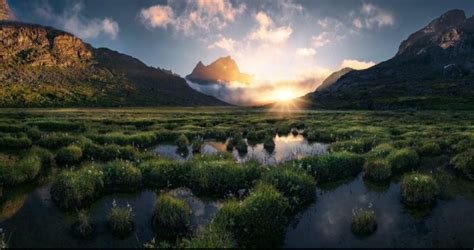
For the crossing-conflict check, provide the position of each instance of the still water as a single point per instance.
(287, 148)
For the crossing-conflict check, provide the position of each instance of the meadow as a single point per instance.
(106, 185)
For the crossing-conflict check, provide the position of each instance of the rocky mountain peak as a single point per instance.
(224, 69)
(5, 12)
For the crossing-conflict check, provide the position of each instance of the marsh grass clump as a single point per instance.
(221, 177)
(64, 126)
(56, 140)
(377, 170)
(364, 222)
(120, 220)
(69, 155)
(211, 237)
(22, 169)
(197, 145)
(283, 129)
(403, 159)
(418, 190)
(269, 144)
(162, 173)
(429, 149)
(77, 189)
(332, 167)
(141, 139)
(182, 142)
(358, 145)
(171, 217)
(109, 152)
(9, 141)
(121, 176)
(242, 147)
(82, 228)
(296, 185)
(261, 215)
(464, 163)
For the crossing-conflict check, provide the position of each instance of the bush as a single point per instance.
(120, 220)
(120, 176)
(297, 186)
(221, 177)
(77, 189)
(171, 217)
(464, 163)
(109, 152)
(82, 228)
(364, 222)
(403, 159)
(160, 173)
(262, 215)
(69, 155)
(332, 167)
(418, 190)
(377, 170)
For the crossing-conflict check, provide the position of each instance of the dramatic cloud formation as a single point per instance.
(355, 64)
(371, 16)
(196, 16)
(72, 21)
(267, 33)
(224, 43)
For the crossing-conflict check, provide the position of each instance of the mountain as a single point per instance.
(45, 67)
(433, 69)
(334, 77)
(223, 70)
(5, 12)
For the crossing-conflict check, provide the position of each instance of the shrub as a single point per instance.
(332, 167)
(377, 170)
(221, 177)
(109, 152)
(429, 149)
(418, 190)
(297, 186)
(403, 159)
(182, 141)
(120, 220)
(82, 228)
(69, 155)
(120, 176)
(160, 173)
(262, 215)
(464, 163)
(171, 217)
(77, 189)
(364, 222)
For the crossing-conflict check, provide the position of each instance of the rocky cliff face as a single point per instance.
(223, 70)
(334, 77)
(5, 12)
(42, 66)
(434, 68)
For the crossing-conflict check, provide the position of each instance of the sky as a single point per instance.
(278, 41)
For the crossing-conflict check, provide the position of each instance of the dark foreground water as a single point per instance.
(286, 148)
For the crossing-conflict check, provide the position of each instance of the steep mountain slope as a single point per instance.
(223, 70)
(42, 67)
(433, 69)
(334, 77)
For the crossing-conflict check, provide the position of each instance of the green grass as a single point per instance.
(171, 217)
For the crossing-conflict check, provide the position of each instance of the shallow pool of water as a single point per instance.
(327, 222)
(32, 220)
(287, 148)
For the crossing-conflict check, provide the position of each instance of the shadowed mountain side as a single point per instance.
(433, 69)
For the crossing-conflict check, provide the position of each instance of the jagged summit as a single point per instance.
(5, 12)
(223, 70)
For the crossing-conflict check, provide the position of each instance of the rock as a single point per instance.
(224, 70)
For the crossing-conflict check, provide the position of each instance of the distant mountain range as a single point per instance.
(45, 67)
(222, 71)
(433, 69)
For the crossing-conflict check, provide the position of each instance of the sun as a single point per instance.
(283, 95)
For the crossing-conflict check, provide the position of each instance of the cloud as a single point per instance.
(371, 16)
(227, 44)
(267, 33)
(305, 52)
(72, 21)
(157, 16)
(356, 64)
(196, 16)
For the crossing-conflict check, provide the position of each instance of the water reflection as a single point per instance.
(287, 148)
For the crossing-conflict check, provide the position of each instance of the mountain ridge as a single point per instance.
(223, 70)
